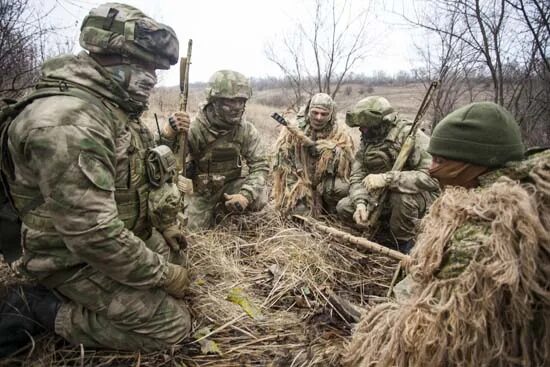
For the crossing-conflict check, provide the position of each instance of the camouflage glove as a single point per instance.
(176, 281)
(377, 181)
(179, 123)
(185, 185)
(360, 215)
(175, 238)
(236, 202)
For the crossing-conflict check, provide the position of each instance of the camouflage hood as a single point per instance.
(83, 72)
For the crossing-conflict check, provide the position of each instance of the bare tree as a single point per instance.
(502, 42)
(26, 40)
(322, 50)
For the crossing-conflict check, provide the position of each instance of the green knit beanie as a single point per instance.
(482, 133)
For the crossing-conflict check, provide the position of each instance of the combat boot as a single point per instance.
(25, 311)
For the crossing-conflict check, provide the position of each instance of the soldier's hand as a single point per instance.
(175, 238)
(376, 181)
(236, 202)
(176, 280)
(178, 123)
(185, 185)
(360, 215)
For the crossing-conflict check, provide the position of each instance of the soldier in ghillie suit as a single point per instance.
(412, 190)
(221, 143)
(477, 290)
(96, 226)
(308, 176)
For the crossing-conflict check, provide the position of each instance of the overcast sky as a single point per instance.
(233, 34)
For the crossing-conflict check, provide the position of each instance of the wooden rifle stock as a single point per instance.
(185, 62)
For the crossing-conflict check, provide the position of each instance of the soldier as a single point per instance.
(303, 174)
(80, 183)
(221, 142)
(411, 191)
(477, 290)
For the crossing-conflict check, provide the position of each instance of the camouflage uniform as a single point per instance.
(411, 191)
(225, 157)
(300, 172)
(82, 155)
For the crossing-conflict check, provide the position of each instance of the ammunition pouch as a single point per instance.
(205, 184)
(161, 165)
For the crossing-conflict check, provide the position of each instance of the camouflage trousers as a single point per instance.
(404, 211)
(101, 312)
(201, 210)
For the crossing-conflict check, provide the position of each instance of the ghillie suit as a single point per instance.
(301, 173)
(478, 280)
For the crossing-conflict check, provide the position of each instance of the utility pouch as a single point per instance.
(161, 165)
(205, 184)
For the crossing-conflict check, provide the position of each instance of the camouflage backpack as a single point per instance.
(10, 222)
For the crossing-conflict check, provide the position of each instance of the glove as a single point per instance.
(185, 185)
(235, 203)
(175, 238)
(360, 215)
(377, 181)
(178, 123)
(176, 281)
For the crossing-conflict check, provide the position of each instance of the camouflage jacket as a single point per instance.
(296, 170)
(84, 158)
(226, 153)
(379, 157)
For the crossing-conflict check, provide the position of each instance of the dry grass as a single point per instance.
(284, 271)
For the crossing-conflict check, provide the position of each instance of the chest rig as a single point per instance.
(131, 182)
(379, 156)
(221, 156)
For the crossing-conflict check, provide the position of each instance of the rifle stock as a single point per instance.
(185, 62)
(347, 237)
(379, 198)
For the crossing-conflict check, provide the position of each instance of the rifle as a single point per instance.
(375, 206)
(185, 62)
(293, 130)
(346, 237)
(308, 143)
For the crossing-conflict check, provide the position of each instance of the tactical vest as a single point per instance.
(222, 156)
(379, 157)
(131, 182)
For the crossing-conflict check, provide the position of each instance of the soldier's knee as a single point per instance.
(175, 324)
(343, 207)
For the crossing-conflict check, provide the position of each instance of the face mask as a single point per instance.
(229, 110)
(456, 173)
(136, 80)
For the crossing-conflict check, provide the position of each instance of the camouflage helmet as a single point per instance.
(121, 29)
(228, 84)
(369, 112)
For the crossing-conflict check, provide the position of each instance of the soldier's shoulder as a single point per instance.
(517, 170)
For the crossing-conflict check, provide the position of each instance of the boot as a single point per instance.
(25, 311)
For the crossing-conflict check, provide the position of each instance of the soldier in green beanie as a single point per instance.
(94, 193)
(477, 290)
